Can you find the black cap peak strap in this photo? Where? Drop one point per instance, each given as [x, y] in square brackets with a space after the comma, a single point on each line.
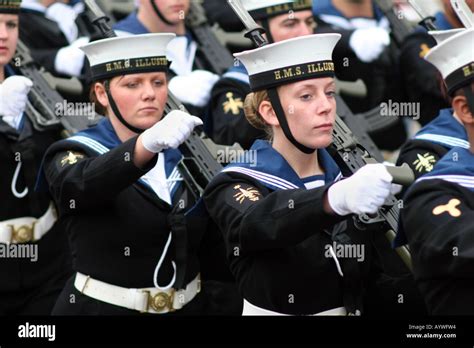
[275, 100]
[116, 110]
[266, 26]
[469, 94]
[159, 14]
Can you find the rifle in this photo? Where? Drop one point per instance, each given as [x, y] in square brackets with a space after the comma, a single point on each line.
[45, 105]
[401, 28]
[198, 166]
[349, 154]
[217, 57]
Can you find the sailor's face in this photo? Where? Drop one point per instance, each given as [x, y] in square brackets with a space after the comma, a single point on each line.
[8, 37]
[173, 10]
[310, 108]
[288, 26]
[141, 98]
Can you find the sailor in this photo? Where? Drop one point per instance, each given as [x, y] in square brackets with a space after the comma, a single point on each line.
[439, 207]
[365, 52]
[225, 121]
[31, 280]
[421, 80]
[191, 80]
[439, 136]
[283, 216]
[119, 190]
[50, 32]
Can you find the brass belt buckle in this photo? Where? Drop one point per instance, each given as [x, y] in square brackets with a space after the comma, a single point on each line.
[22, 234]
[161, 301]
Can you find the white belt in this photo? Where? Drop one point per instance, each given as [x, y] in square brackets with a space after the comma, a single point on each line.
[149, 300]
[250, 309]
[27, 229]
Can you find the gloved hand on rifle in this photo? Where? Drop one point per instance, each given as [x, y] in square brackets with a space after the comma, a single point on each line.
[170, 132]
[13, 98]
[362, 193]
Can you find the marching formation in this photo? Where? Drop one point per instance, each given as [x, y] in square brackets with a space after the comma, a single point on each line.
[241, 157]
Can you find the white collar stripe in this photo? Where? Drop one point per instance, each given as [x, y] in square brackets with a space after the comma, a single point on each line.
[90, 143]
[270, 178]
[444, 139]
[258, 177]
[237, 76]
[462, 180]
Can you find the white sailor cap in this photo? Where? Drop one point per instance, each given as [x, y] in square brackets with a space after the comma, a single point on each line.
[288, 61]
[128, 55]
[441, 35]
[454, 58]
[10, 6]
[260, 9]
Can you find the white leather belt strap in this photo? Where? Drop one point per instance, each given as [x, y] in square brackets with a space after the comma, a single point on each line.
[250, 309]
[27, 229]
[146, 300]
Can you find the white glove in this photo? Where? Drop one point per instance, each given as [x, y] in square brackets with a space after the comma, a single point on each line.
[70, 59]
[170, 132]
[65, 16]
[195, 88]
[13, 98]
[369, 43]
[362, 193]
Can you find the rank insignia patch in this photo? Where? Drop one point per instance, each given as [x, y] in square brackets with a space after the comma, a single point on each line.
[232, 105]
[450, 208]
[71, 158]
[249, 193]
[424, 163]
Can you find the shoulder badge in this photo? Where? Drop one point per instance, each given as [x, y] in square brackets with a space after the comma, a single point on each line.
[71, 158]
[425, 162]
[249, 193]
[232, 105]
[450, 208]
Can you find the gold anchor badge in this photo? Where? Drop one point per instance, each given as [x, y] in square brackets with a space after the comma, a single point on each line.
[250, 193]
[450, 208]
[425, 162]
[424, 50]
[232, 105]
[71, 158]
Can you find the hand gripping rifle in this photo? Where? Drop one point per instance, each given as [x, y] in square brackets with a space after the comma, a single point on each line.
[348, 153]
[198, 165]
[45, 105]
